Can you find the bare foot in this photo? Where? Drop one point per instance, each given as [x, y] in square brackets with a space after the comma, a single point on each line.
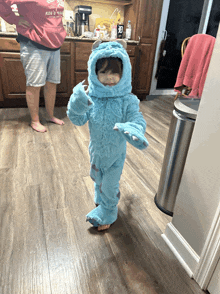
[37, 126]
[57, 121]
[104, 227]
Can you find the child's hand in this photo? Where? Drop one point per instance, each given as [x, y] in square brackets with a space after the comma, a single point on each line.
[79, 102]
[132, 135]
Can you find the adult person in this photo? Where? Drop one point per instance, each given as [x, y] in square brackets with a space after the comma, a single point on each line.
[40, 34]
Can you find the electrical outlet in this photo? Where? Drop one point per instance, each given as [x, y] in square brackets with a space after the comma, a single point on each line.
[67, 14]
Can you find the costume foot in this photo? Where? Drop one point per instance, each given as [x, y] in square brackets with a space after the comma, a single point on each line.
[100, 216]
[37, 126]
[57, 121]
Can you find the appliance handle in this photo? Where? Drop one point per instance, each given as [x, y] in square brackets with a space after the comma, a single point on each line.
[165, 35]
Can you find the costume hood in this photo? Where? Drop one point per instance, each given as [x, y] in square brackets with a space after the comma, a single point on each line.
[105, 50]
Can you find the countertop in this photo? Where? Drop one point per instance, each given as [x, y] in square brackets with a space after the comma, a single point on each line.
[8, 34]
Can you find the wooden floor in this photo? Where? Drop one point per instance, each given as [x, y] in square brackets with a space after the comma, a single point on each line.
[47, 247]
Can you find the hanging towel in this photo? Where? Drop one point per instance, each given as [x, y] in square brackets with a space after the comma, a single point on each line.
[194, 65]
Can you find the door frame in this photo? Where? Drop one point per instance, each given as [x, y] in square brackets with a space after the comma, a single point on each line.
[206, 10]
[210, 254]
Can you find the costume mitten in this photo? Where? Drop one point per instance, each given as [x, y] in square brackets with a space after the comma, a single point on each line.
[133, 133]
[79, 102]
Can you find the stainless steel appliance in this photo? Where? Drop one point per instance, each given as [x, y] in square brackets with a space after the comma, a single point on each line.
[179, 138]
[82, 19]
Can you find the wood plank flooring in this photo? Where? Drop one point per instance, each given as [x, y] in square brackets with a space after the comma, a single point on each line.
[47, 247]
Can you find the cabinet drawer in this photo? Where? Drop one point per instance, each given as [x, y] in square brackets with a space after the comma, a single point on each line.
[66, 47]
[80, 76]
[83, 51]
[9, 44]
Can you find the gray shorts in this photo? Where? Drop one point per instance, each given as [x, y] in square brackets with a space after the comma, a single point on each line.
[40, 65]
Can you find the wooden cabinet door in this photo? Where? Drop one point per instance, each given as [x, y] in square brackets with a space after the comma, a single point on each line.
[147, 28]
[145, 18]
[80, 76]
[1, 91]
[82, 51]
[13, 80]
[13, 76]
[64, 89]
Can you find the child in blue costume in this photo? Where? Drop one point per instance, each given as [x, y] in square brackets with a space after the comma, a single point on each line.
[114, 118]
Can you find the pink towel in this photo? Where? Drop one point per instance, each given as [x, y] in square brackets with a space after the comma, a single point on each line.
[194, 65]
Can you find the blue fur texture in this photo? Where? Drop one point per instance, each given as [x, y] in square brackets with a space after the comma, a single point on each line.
[106, 107]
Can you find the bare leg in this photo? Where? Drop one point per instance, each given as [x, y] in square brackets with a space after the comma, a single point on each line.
[50, 96]
[32, 97]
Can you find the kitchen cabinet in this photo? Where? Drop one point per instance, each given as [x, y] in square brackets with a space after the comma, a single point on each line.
[145, 19]
[82, 52]
[74, 57]
[13, 80]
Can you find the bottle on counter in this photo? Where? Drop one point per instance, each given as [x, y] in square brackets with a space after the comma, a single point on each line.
[97, 34]
[114, 31]
[3, 26]
[128, 31]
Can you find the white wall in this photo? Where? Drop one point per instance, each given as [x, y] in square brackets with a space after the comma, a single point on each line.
[199, 192]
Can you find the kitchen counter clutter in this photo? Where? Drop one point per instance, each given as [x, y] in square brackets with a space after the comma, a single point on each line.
[75, 53]
[145, 19]
[8, 34]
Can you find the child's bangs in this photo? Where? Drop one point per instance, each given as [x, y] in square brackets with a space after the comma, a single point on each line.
[112, 63]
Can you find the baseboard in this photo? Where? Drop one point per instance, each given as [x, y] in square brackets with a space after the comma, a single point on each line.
[188, 258]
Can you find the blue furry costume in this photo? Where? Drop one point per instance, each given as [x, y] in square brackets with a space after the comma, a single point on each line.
[106, 108]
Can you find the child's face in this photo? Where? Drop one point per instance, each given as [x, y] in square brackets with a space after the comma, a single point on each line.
[108, 78]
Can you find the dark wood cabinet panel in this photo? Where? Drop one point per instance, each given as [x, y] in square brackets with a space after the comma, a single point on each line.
[14, 80]
[74, 57]
[80, 76]
[64, 88]
[145, 18]
[131, 50]
[13, 77]
[82, 52]
[149, 18]
[9, 44]
[1, 92]
[145, 57]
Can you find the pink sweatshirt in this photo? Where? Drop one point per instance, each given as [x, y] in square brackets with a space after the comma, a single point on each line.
[44, 16]
[194, 65]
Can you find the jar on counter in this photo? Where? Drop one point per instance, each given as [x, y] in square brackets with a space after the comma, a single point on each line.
[114, 31]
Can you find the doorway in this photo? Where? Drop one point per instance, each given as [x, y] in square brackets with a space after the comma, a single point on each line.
[180, 19]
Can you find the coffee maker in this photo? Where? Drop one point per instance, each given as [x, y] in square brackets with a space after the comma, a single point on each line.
[82, 19]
